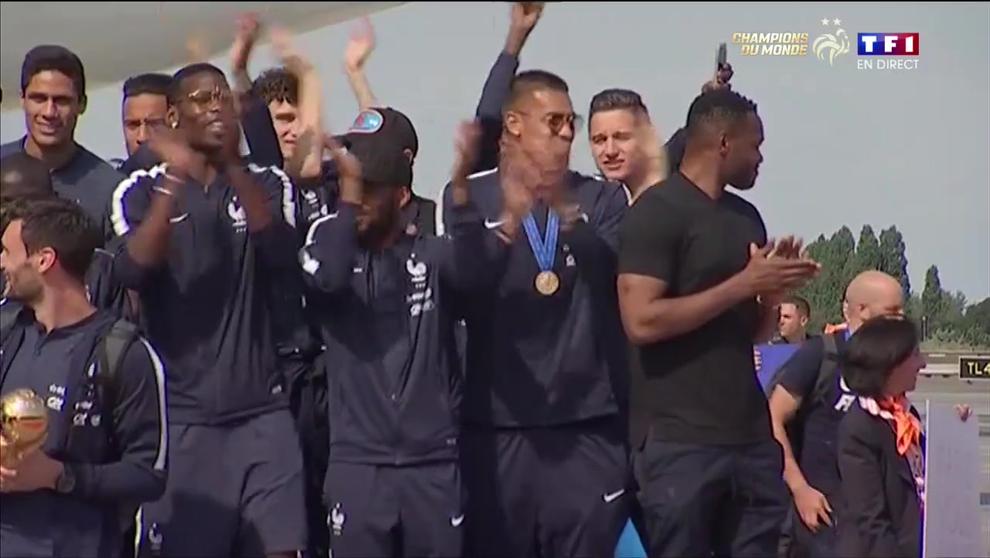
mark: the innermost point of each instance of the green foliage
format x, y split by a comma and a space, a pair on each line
893, 260
977, 317
932, 298
821, 293
868, 254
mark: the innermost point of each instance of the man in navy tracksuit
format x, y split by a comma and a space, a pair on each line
53, 93
544, 451
105, 452
393, 486
206, 241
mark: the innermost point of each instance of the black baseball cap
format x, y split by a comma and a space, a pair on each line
378, 138
383, 124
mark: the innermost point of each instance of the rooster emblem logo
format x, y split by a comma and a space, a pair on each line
831, 45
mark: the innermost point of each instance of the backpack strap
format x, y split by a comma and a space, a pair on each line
829, 366
8, 317
110, 353
11, 336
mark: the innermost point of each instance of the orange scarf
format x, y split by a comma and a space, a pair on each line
907, 427
834, 328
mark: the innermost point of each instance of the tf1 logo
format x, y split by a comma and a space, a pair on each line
888, 44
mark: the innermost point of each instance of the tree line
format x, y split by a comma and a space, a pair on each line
946, 318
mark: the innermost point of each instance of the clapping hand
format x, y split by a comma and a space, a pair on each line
293, 61
466, 148
772, 271
360, 46
171, 148
348, 171
248, 28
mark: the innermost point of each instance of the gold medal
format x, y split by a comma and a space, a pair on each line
547, 283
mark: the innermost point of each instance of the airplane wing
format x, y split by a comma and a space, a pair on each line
116, 40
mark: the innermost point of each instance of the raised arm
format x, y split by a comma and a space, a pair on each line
256, 119
359, 49
307, 163
470, 253
523, 19
142, 207
331, 243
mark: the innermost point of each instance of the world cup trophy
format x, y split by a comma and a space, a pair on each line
23, 426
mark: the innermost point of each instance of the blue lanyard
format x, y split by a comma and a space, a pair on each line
544, 251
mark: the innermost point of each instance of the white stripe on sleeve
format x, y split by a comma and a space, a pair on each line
138, 531
310, 264
156, 363
118, 215
439, 219
288, 194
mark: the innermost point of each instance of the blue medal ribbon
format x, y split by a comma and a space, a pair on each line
544, 251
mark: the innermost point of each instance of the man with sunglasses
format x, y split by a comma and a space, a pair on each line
543, 446
619, 127
206, 240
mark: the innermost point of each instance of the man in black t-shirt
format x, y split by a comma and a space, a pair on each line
698, 285
812, 473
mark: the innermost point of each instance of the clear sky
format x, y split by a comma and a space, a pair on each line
844, 146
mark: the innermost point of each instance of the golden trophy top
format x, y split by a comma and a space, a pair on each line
23, 417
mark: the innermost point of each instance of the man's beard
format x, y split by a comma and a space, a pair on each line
378, 231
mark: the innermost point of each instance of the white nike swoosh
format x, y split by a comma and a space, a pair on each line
456, 521
493, 224
609, 498
178, 219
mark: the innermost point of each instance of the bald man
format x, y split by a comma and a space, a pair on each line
806, 405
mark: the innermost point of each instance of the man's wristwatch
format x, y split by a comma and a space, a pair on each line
66, 482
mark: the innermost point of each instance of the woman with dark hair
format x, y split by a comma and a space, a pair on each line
881, 455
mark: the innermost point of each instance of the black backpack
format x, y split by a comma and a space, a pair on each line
827, 372
109, 352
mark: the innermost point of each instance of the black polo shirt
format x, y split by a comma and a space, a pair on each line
701, 386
